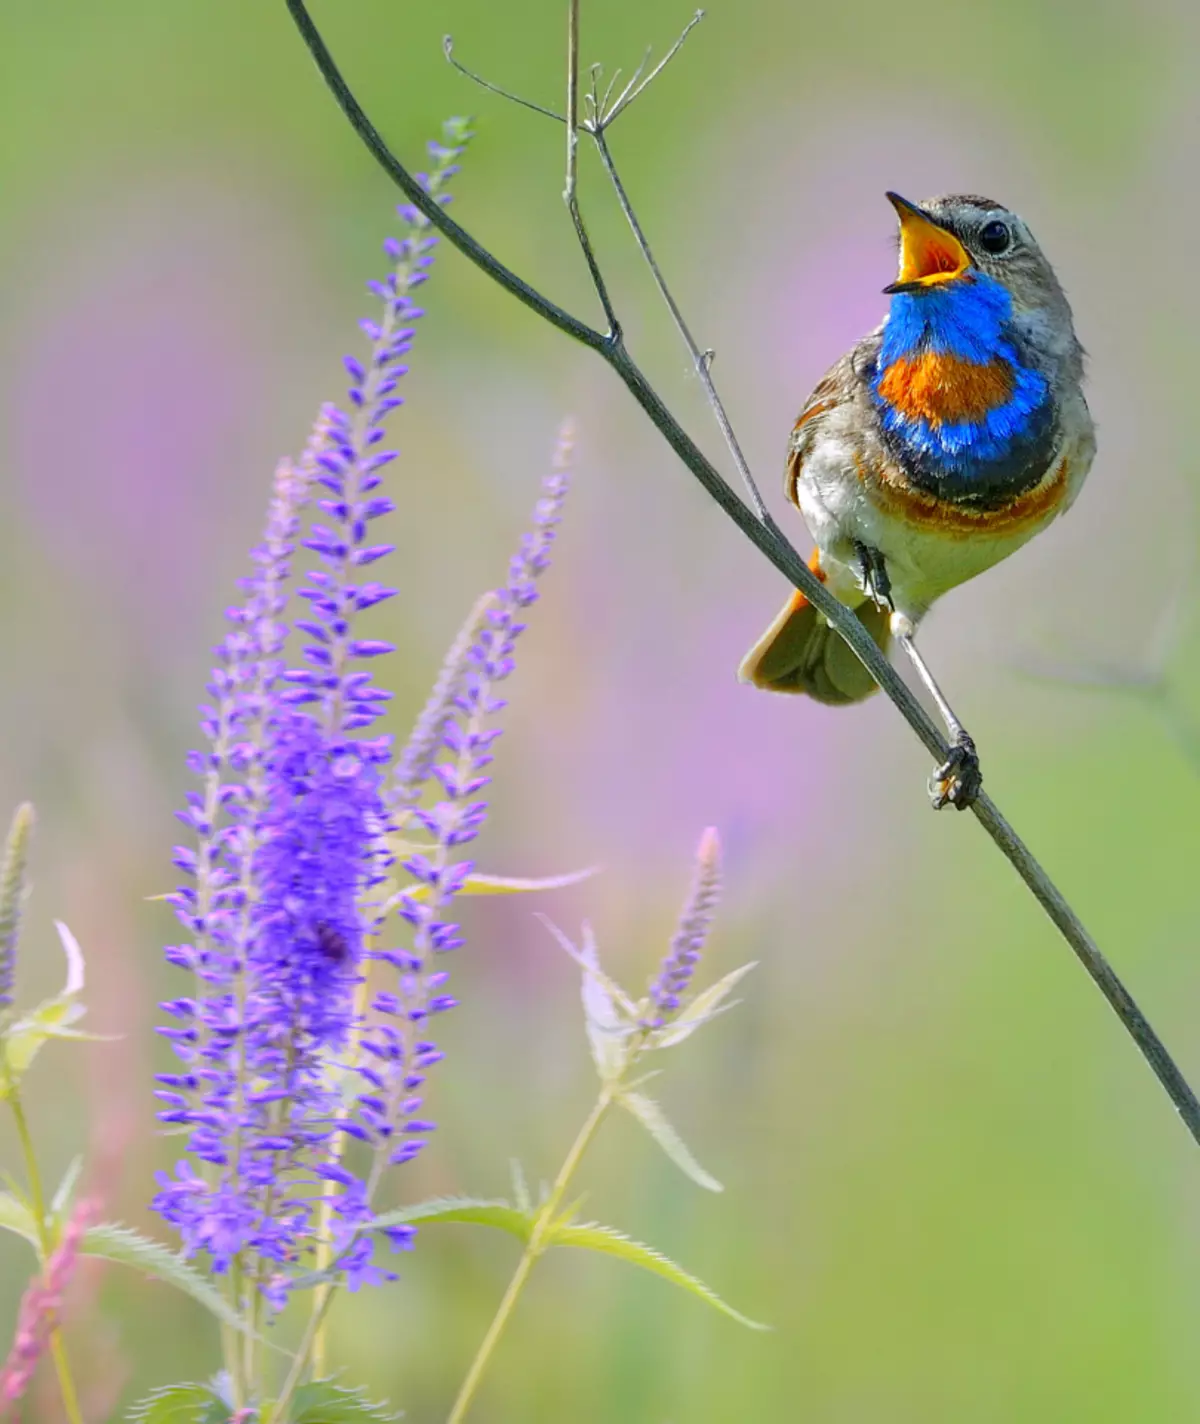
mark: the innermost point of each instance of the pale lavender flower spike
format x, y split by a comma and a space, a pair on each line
455, 720
286, 908
289, 830
12, 899
695, 921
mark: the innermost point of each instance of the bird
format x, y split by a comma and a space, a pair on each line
936, 447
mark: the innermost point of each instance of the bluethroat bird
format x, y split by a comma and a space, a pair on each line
941, 443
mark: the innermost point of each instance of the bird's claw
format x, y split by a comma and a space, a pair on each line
958, 781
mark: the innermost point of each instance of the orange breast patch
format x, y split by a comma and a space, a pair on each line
944, 390
891, 492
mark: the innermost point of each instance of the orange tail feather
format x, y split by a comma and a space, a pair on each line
801, 653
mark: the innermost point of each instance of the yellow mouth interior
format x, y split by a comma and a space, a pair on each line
928, 253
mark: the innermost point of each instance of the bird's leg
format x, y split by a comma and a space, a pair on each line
958, 780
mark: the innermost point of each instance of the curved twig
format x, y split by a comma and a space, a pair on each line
766, 535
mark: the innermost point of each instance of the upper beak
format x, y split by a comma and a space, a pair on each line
929, 254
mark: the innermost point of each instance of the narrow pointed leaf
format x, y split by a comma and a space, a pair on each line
65, 1192
607, 1030
473, 1210
481, 884
706, 1005
324, 1402
71, 949
28, 1035
654, 1120
126, 1247
181, 1404
16, 1217
590, 1236
591, 966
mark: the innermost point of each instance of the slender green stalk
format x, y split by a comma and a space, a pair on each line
534, 1248
277, 1412
37, 1199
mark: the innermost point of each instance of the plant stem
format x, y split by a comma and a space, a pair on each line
37, 1200
534, 1247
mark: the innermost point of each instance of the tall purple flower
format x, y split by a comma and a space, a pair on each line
12, 900
456, 723
290, 847
695, 920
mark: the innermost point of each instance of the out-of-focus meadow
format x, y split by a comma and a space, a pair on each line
951, 1184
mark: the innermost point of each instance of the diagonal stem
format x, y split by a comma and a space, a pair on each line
535, 1246
770, 541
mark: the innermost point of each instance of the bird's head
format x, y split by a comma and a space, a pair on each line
952, 241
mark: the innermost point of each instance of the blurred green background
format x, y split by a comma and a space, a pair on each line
951, 1184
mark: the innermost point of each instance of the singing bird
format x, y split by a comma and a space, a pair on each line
941, 443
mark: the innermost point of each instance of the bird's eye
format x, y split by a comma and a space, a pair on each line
995, 237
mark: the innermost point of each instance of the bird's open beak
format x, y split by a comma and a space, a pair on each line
929, 254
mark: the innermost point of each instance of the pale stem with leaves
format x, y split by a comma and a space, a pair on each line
13, 893
621, 1033
767, 537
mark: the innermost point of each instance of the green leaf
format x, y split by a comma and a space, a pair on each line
654, 1120
65, 1193
591, 1236
181, 1404
473, 1210
16, 1217
25, 1039
125, 1247
324, 1402
607, 1029
480, 884
705, 1006
591, 965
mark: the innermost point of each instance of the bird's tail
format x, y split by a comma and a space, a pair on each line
800, 652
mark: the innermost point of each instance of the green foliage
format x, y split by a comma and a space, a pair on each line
654, 1120
591, 1236
181, 1404
324, 1402
471, 1210
123, 1246
55, 1018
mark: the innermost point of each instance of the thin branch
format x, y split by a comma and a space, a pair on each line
569, 193
633, 88
770, 541
421, 200
702, 360
448, 51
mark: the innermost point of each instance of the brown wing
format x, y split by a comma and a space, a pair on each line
841, 384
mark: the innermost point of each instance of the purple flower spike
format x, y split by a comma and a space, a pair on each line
289, 851
12, 900
456, 721
695, 921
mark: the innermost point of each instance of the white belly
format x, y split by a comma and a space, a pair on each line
923, 559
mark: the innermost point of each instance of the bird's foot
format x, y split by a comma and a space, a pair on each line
873, 575
958, 781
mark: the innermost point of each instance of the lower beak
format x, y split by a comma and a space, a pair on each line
929, 254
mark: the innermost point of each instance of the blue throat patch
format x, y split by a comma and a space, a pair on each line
1005, 449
